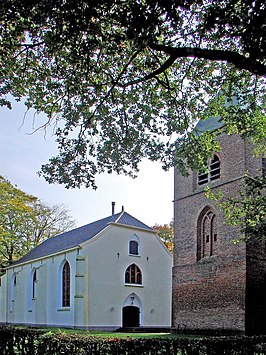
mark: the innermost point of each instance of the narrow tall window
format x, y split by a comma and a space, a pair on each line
66, 285
207, 234
133, 275
12, 291
213, 172
34, 280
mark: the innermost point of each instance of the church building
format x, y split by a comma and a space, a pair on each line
111, 273
217, 284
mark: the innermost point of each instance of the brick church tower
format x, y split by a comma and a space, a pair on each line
217, 284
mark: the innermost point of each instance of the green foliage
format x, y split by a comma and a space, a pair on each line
248, 209
123, 80
29, 342
25, 222
17, 340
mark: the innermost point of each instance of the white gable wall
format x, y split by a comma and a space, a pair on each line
108, 259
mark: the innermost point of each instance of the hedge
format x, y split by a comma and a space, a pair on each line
16, 340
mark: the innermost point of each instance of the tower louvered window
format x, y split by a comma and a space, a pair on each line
215, 168
213, 173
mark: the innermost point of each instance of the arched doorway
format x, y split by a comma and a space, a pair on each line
132, 312
131, 316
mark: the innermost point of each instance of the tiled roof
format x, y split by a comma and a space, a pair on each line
73, 238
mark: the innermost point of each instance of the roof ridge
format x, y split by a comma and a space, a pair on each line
120, 215
71, 239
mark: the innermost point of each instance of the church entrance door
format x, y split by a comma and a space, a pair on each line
131, 317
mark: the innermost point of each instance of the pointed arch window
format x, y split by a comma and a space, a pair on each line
213, 172
207, 234
34, 280
66, 285
133, 275
12, 291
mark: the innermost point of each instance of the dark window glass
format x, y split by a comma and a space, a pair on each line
133, 247
34, 279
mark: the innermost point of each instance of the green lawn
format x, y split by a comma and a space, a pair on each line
103, 334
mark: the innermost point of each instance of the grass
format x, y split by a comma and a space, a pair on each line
105, 334
135, 335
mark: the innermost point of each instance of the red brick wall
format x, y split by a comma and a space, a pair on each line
211, 293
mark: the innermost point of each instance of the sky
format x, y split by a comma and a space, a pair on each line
148, 197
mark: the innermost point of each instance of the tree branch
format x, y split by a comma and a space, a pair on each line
240, 61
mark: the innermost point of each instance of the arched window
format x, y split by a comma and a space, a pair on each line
207, 234
213, 172
66, 285
12, 291
33, 281
133, 275
134, 245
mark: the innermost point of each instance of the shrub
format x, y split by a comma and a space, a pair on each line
29, 341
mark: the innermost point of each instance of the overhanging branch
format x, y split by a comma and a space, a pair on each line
240, 61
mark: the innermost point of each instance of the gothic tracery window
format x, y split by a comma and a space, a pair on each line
66, 285
207, 234
133, 275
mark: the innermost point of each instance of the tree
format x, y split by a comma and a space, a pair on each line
166, 233
25, 222
248, 210
122, 80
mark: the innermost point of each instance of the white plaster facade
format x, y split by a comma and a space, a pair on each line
98, 291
